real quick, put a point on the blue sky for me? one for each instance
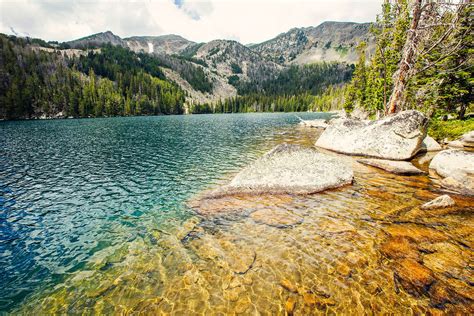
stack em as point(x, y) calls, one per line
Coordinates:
point(243, 20)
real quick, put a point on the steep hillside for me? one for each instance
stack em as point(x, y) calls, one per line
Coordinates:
point(330, 41)
point(225, 64)
point(230, 58)
point(220, 69)
point(112, 81)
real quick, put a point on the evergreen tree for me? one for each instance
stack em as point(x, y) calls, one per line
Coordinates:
point(357, 91)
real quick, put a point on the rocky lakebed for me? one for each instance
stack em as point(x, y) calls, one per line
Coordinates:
point(340, 217)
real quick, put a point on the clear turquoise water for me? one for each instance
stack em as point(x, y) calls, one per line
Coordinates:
point(69, 188)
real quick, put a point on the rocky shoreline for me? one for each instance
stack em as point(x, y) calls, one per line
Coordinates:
point(425, 262)
point(387, 144)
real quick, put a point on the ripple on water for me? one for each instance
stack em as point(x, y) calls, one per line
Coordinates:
point(70, 187)
point(240, 254)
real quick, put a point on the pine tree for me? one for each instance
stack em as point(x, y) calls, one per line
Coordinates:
point(357, 91)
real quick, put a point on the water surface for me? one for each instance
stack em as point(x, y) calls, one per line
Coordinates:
point(105, 217)
point(71, 188)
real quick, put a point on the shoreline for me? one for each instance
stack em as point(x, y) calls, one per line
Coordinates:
point(50, 118)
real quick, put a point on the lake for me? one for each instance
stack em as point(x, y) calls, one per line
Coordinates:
point(71, 188)
point(105, 216)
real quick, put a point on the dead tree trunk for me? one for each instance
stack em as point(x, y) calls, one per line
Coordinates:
point(407, 62)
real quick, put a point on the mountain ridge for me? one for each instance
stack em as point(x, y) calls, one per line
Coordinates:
point(229, 63)
point(329, 41)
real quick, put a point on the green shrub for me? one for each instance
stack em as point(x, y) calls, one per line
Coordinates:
point(451, 129)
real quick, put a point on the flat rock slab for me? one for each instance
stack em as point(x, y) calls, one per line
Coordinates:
point(440, 202)
point(276, 218)
point(456, 144)
point(289, 169)
point(468, 139)
point(457, 169)
point(398, 167)
point(396, 137)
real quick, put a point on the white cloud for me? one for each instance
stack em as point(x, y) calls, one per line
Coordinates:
point(200, 21)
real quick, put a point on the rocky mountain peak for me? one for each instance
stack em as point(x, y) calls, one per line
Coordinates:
point(97, 39)
point(329, 41)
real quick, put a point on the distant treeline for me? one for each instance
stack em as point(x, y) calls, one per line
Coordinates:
point(332, 98)
point(296, 79)
point(316, 87)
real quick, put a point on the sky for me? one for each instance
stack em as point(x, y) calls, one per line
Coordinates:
point(243, 20)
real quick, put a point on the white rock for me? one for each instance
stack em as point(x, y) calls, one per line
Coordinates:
point(398, 167)
point(430, 144)
point(439, 202)
point(468, 139)
point(457, 169)
point(396, 137)
point(317, 123)
point(456, 144)
point(289, 169)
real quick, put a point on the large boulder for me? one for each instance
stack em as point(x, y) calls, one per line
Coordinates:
point(289, 169)
point(457, 169)
point(396, 137)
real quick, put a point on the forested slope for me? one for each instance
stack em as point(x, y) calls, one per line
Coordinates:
point(115, 81)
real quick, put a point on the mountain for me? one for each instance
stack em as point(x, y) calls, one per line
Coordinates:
point(187, 74)
point(230, 58)
point(164, 44)
point(330, 41)
point(96, 40)
point(224, 63)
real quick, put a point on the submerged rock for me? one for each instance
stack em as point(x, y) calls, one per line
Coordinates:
point(439, 202)
point(288, 285)
point(398, 167)
point(457, 168)
point(449, 259)
point(399, 247)
point(276, 218)
point(289, 169)
point(413, 276)
point(395, 137)
point(416, 233)
point(290, 305)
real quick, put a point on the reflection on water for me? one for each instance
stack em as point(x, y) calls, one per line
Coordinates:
point(362, 247)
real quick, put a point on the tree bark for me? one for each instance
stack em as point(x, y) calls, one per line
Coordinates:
point(407, 62)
